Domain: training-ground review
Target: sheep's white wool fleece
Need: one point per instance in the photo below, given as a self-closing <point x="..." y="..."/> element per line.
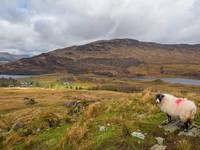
<point x="185" y="109"/>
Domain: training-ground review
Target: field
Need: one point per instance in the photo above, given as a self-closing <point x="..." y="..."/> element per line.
<point x="116" y="104"/>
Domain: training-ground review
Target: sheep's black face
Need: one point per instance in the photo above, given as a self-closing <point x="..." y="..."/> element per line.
<point x="159" y="98"/>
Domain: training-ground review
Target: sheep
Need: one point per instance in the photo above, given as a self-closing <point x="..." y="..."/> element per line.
<point x="177" y="107"/>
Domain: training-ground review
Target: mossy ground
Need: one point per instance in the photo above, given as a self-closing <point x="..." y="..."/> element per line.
<point x="116" y="110"/>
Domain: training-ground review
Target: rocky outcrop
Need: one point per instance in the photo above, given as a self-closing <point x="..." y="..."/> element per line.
<point x="177" y="126"/>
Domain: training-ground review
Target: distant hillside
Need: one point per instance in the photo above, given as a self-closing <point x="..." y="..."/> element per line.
<point x="117" y="57"/>
<point x="7" y="57"/>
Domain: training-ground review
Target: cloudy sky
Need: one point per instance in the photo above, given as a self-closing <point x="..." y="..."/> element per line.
<point x="36" y="26"/>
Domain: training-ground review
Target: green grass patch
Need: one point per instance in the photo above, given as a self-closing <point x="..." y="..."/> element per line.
<point x="48" y="139"/>
<point x="197" y="121"/>
<point x="101" y="138"/>
<point x="151" y="123"/>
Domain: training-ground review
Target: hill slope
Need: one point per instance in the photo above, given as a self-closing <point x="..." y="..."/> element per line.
<point x="7" y="57"/>
<point x="118" y="57"/>
<point x="73" y="118"/>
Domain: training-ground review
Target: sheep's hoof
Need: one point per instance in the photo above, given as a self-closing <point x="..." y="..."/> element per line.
<point x="166" y="122"/>
<point x="185" y="130"/>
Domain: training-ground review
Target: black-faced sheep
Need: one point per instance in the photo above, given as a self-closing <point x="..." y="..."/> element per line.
<point x="178" y="107"/>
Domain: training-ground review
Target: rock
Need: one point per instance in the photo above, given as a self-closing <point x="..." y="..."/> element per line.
<point x="30" y="101"/>
<point x="50" y="119"/>
<point x="24" y="132"/>
<point x="17" y="126"/>
<point x="71" y="111"/>
<point x="74" y="110"/>
<point x="160" y="140"/>
<point x="194" y="132"/>
<point x="172" y="127"/>
<point x="140" y="116"/>
<point x="79" y="108"/>
<point x="38" y="130"/>
<point x="158" y="147"/>
<point x="102" y="128"/>
<point x="70" y="103"/>
<point x="54" y="121"/>
<point x="138" y="135"/>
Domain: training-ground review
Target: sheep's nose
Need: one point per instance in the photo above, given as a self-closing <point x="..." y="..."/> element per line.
<point x="157" y="101"/>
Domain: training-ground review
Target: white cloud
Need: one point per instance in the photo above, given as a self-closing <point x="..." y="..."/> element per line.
<point x="40" y="26"/>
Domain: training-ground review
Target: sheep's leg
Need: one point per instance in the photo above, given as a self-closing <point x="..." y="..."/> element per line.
<point x="169" y="118"/>
<point x="187" y="123"/>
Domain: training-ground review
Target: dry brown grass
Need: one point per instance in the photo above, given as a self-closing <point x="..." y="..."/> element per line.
<point x="152" y="109"/>
<point x="12" y="98"/>
<point x="74" y="137"/>
<point x="147" y="96"/>
<point x="92" y="110"/>
<point x="184" y="145"/>
<point x="4" y="123"/>
<point x="117" y="119"/>
<point x="29" y="142"/>
<point x="11" y="140"/>
<point x="123" y="103"/>
<point x="112" y="108"/>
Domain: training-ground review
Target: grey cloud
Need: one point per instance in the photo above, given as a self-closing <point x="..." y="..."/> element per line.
<point x="39" y="26"/>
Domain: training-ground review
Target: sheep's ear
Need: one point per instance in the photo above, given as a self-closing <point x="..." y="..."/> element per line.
<point x="162" y="95"/>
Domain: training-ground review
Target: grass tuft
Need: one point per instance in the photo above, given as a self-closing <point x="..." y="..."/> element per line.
<point x="184" y="145"/>
<point x="92" y="110"/>
<point x="74" y="138"/>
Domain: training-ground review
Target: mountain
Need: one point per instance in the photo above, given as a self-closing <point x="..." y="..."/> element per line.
<point x="7" y="57"/>
<point x="116" y="57"/>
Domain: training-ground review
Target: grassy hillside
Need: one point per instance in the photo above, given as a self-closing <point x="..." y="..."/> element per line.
<point x="117" y="57"/>
<point x="115" y="103"/>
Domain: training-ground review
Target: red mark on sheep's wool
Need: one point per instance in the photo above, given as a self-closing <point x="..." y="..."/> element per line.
<point x="178" y="101"/>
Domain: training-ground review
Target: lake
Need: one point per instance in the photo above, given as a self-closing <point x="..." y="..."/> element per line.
<point x="173" y="80"/>
<point x="15" y="76"/>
